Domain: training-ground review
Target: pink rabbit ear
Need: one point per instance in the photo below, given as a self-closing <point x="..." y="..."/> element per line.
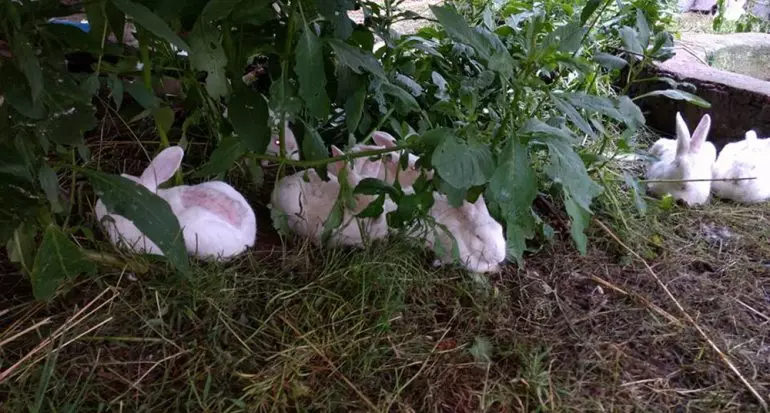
<point x="334" y="168"/>
<point x="384" y="139"/>
<point x="163" y="167"/>
<point x="701" y="133"/>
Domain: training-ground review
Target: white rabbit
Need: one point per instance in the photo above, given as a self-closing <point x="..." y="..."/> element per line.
<point x="390" y="161"/>
<point x="740" y="160"/>
<point x="216" y="220"/>
<point x="308" y="203"/>
<point x="480" y="239"/>
<point x="274" y="147"/>
<point x="684" y="159"/>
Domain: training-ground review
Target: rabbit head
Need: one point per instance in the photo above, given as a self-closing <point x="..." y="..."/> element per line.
<point x="391" y="161"/>
<point x="693" y="159"/>
<point x="354" y="176"/>
<point x="291" y="146"/>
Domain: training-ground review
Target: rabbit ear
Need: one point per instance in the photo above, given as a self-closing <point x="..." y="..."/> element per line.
<point x="682" y="136"/>
<point x="163" y="167"/>
<point x="384" y="139"/>
<point x="751" y="135"/>
<point x="334" y="168"/>
<point x="701" y="133"/>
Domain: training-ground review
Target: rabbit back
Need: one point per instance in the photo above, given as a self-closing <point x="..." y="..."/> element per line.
<point x="741" y="160"/>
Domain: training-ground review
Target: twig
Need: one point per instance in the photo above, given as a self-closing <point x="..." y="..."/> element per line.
<point x="334" y="368"/>
<point x="689" y="318"/>
<point x="665" y="314"/>
<point x="27" y="330"/>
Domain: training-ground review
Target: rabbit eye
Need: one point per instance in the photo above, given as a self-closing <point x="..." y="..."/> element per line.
<point x="277" y="142"/>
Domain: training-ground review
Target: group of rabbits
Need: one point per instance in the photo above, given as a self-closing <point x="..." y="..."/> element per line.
<point x="688" y="167"/>
<point x="218" y="223"/>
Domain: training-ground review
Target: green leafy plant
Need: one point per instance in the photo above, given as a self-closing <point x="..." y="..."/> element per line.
<point x="509" y="100"/>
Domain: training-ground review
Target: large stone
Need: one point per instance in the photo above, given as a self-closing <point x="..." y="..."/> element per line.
<point x="738" y="102"/>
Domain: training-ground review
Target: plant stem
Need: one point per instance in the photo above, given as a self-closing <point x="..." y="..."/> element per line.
<point x="322" y="162"/>
<point x="144" y="53"/>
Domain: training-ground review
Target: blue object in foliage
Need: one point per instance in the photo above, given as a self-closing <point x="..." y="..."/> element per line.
<point x="82" y="26"/>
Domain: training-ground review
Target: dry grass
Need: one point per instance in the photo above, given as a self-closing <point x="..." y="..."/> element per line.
<point x="292" y="328"/>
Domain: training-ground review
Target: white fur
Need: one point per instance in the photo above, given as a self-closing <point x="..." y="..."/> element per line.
<point x="274" y="147"/>
<point x="307" y="205"/>
<point x="683" y="159"/>
<point x="480" y="239"/>
<point x="749" y="158"/>
<point x="216" y="220"/>
<point x="391" y="162"/>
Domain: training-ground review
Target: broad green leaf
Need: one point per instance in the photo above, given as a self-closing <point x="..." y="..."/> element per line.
<point x="568" y="37"/>
<point x="67" y="126"/>
<point x="144" y="97"/>
<point x="354" y="108"/>
<point x="18" y="204"/>
<point x="50" y="184"/>
<point x="463" y="164"/>
<point x="643" y="28"/>
<point x="310" y="73"/>
<point x="146" y="18"/>
<point x="90" y="85"/>
<point x="610" y="61"/>
<point x="21" y="247"/>
<point x="631" y="41"/>
<point x="97" y="19"/>
<point x="24" y="56"/>
<point x="374" y="209"/>
<point x="313" y="147"/>
<point x="573" y="115"/>
<point x="591" y="103"/>
<point x="633" y="115"/>
<point x="229" y="150"/>
<point x="248" y="113"/>
<point x="116" y="19"/>
<point x="218" y="10"/>
<point x="356" y="59"/>
<point x="514" y="187"/>
<point x="455" y="196"/>
<point x="150" y="213"/>
<point x="283" y="97"/>
<point x="374" y="186"/>
<point x="580" y="218"/>
<point x="333" y="221"/>
<point x="588" y="10"/>
<point x="677" y="95"/>
<point x="566" y="167"/>
<point x="488" y="47"/>
<point x="256" y="172"/>
<point x="336" y="11"/>
<point x="57" y="259"/>
<point x="164" y="116"/>
<point x="208" y="55"/>
<point x="405" y="102"/>
<point x="538" y="127"/>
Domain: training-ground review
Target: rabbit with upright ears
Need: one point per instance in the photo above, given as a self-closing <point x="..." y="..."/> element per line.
<point x="306" y="200"/>
<point x="738" y="162"/>
<point x="480" y="239"/>
<point x="391" y="161"/>
<point x="216" y="220"/>
<point x="687" y="161"/>
<point x="291" y="146"/>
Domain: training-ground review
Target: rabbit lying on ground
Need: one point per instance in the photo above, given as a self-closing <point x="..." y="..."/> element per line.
<point x="216" y="220"/>
<point x="308" y="203"/>
<point x="480" y="239"/>
<point x="683" y="159"/>
<point x="749" y="158"/>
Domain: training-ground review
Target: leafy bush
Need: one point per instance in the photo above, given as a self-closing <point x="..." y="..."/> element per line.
<point x="509" y="99"/>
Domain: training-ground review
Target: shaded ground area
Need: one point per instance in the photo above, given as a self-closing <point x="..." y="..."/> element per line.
<point x="292" y="328"/>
